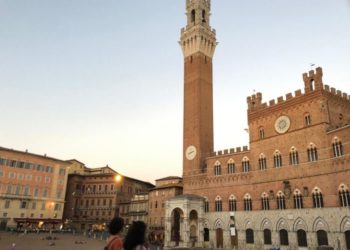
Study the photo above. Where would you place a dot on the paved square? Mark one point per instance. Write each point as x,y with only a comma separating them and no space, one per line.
34,241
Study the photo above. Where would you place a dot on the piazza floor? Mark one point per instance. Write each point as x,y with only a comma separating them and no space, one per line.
34,241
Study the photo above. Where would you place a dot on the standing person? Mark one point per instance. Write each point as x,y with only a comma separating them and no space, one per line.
114,242
135,239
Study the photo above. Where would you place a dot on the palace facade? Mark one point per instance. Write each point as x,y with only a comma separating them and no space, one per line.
289,188
32,190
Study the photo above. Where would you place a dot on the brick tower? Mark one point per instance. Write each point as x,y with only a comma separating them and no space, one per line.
198,42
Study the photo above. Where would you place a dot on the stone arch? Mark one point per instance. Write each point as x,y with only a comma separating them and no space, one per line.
265,224
300,224
248,224
282,224
320,224
218,224
343,187
262,155
345,224
205,223
177,215
230,161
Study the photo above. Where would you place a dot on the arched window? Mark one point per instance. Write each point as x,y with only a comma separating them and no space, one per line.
302,240
281,200
261,133
337,147
232,203
206,234
217,168
249,236
322,238
344,196
193,16
245,164
203,16
277,159
284,237
267,237
347,239
247,203
307,119
206,205
45,192
265,205
262,162
317,198
230,166
218,204
312,152
298,199
293,156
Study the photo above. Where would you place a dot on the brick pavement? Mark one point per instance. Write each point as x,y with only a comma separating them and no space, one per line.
34,241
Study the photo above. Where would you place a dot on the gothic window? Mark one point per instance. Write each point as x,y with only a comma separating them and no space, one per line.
206,234
317,198
245,164
281,200
203,16
232,203
312,152
230,166
249,236
193,16
267,237
218,204
302,240
277,159
307,119
217,168
298,199
262,162
248,203
293,156
261,133
206,205
337,147
265,205
284,237
344,196
322,238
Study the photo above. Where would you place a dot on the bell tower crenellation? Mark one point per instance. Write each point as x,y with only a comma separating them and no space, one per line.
198,36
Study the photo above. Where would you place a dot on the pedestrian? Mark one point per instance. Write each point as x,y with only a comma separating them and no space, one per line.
114,241
135,239
13,246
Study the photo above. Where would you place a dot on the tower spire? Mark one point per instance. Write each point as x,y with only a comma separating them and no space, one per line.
198,36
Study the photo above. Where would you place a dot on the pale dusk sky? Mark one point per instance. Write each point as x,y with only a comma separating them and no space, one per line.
102,81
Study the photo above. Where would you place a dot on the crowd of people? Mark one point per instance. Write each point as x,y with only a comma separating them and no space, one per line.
135,238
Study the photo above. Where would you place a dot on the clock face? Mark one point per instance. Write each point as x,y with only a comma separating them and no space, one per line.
282,124
191,152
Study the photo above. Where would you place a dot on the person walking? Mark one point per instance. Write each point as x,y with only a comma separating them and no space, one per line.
114,241
135,238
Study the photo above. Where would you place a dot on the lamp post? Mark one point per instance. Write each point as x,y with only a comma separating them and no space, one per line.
117,178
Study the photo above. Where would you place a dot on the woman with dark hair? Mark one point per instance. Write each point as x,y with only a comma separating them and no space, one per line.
114,241
135,239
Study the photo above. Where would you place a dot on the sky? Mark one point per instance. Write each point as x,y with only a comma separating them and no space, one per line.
101,81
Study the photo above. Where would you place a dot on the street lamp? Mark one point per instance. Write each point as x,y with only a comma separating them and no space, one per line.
118,179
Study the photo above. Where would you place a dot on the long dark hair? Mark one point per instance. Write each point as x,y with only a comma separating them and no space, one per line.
135,236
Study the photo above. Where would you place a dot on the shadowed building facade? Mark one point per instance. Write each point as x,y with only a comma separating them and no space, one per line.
288,188
95,195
